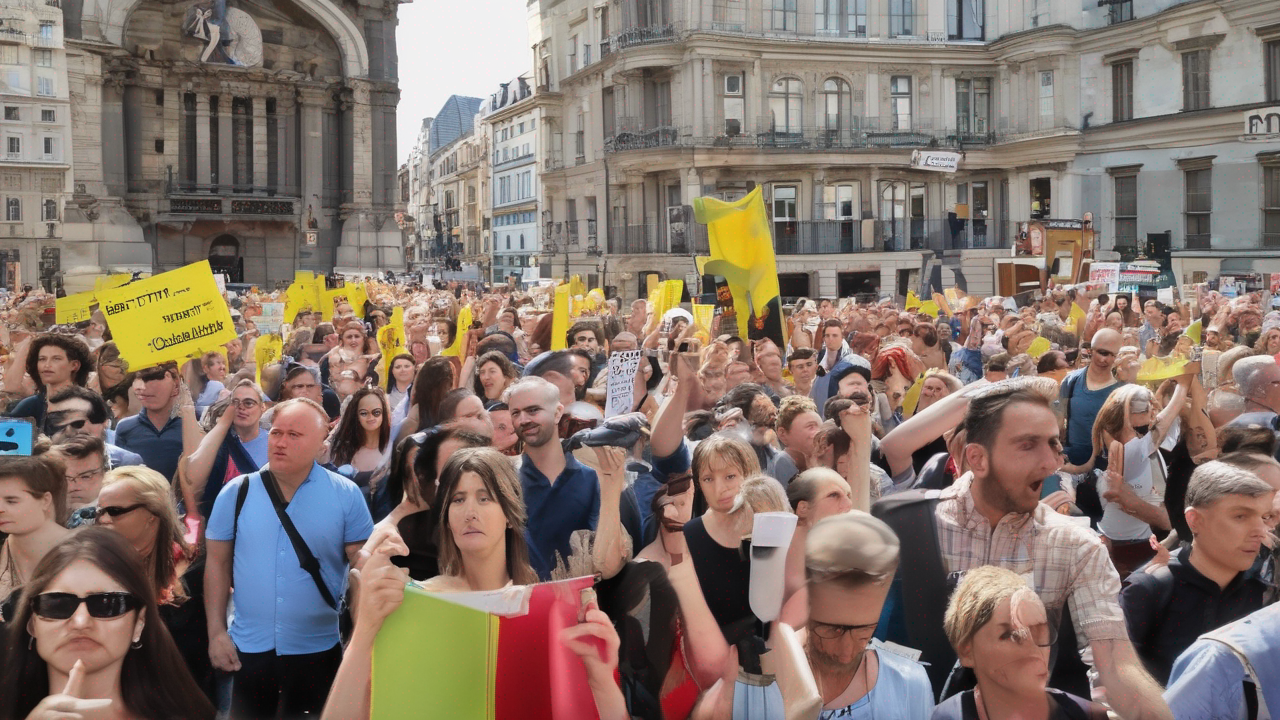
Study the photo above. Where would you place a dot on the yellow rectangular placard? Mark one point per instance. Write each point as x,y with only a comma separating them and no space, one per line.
110,282
171,316
390,342
75,308
559,319
266,350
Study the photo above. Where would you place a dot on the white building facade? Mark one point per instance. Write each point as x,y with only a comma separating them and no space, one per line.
823,103
35,136
512,118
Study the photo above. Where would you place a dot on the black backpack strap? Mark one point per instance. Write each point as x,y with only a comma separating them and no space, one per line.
306,559
1250,700
923,577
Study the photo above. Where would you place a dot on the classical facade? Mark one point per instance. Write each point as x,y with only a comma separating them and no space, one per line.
35,132
511,120
259,134
825,103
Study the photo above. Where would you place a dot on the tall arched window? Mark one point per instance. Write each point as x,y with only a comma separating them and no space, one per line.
835,109
786,105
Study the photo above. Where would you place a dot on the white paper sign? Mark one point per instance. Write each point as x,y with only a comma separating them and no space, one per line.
1164,296
271,319
221,280
622,382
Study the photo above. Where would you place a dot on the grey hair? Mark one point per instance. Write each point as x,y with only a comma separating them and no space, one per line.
1247,372
853,548
1216,479
1221,399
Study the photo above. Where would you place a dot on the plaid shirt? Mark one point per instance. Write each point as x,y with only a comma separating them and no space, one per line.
1064,562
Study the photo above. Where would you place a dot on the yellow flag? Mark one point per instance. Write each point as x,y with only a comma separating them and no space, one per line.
929,308
576,287
1194,331
464,324
267,350
75,308
357,295
911,399
913,302
560,319
703,316
1157,369
171,316
391,341
672,290
303,294
741,244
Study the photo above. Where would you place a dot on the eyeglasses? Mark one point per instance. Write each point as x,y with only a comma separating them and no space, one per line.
60,606
827,631
85,476
74,425
1041,635
116,510
245,403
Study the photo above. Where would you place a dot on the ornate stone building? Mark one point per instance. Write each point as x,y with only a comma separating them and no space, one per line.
259,134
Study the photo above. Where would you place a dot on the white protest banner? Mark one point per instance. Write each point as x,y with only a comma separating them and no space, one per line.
622,381
221,280
271,319
1108,273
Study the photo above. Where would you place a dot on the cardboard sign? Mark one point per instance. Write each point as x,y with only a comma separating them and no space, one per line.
266,350
16,436
75,308
559,319
623,367
171,316
271,319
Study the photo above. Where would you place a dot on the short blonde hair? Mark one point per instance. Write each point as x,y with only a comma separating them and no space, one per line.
156,495
728,449
975,600
762,494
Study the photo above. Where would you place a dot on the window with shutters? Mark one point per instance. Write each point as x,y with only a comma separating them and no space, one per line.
900,99
1122,91
48,115
1198,207
1195,80
1126,230
1271,204
242,143
44,86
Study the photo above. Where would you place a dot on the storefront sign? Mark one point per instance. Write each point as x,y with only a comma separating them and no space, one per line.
936,161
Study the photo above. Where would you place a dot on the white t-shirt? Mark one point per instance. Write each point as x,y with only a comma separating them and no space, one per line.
1144,471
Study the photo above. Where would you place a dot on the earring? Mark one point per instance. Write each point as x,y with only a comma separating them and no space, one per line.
31,642
136,644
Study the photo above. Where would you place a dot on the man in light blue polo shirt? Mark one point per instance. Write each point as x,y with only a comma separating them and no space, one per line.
283,643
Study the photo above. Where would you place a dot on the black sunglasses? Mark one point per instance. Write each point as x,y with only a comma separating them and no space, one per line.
60,606
116,510
54,429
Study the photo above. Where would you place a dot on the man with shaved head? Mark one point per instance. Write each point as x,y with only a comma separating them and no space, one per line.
1084,391
283,644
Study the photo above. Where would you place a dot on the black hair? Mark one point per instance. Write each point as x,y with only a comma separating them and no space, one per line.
74,347
98,411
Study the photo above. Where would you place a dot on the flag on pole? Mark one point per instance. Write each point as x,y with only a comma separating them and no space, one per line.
742,253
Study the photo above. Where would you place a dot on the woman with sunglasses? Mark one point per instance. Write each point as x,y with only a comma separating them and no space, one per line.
135,502
1001,631
33,508
363,433
88,639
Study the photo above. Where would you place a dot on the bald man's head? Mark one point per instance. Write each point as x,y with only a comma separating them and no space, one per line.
299,431
1106,343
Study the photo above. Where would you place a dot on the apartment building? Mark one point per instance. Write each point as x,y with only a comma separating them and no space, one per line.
418,206
512,118
35,132
824,104
458,180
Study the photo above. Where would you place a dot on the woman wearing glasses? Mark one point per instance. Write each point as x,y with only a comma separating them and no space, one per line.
87,639
1000,629
363,433
235,444
135,502
33,507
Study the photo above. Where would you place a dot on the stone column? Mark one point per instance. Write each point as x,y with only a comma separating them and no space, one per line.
259,138
202,139
311,150
286,148
371,240
114,168
226,144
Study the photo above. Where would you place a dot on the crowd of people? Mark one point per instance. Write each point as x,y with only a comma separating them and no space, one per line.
1052,506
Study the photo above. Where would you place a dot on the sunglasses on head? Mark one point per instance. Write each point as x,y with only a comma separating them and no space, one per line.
60,606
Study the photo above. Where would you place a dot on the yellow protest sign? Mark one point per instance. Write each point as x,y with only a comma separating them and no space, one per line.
671,292
1038,347
560,319
913,302
266,351
357,295
703,316
929,307
576,287
911,399
171,316
303,294
75,308
459,337
1157,369
391,341
110,282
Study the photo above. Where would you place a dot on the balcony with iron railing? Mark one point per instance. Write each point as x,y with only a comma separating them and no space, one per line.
851,133
641,35
659,239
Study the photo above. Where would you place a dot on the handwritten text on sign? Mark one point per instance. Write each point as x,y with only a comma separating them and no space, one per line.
171,316
622,382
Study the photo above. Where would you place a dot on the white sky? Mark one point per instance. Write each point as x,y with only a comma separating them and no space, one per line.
455,47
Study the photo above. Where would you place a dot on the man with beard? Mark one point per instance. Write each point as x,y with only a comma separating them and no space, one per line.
992,515
561,495
850,560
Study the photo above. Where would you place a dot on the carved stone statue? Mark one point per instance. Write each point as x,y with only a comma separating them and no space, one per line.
230,35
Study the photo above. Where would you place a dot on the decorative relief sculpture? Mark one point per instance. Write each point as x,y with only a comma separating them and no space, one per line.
230,35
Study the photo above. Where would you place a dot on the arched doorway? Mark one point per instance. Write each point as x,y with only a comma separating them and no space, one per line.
224,257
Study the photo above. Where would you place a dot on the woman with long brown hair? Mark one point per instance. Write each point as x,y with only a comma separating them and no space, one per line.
92,585
363,432
33,508
435,379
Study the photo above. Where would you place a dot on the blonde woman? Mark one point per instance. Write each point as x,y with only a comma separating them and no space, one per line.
999,627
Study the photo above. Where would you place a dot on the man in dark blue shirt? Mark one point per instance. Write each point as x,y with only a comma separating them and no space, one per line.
561,495
155,433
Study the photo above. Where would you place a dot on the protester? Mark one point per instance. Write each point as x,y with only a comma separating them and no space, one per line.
33,502
77,411
400,379
494,374
235,444
363,433
1082,394
1230,672
282,662
54,363
155,432
85,465
1001,630
1206,584
93,586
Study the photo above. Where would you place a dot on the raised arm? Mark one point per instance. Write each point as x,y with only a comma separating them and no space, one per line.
923,428
610,550
668,424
